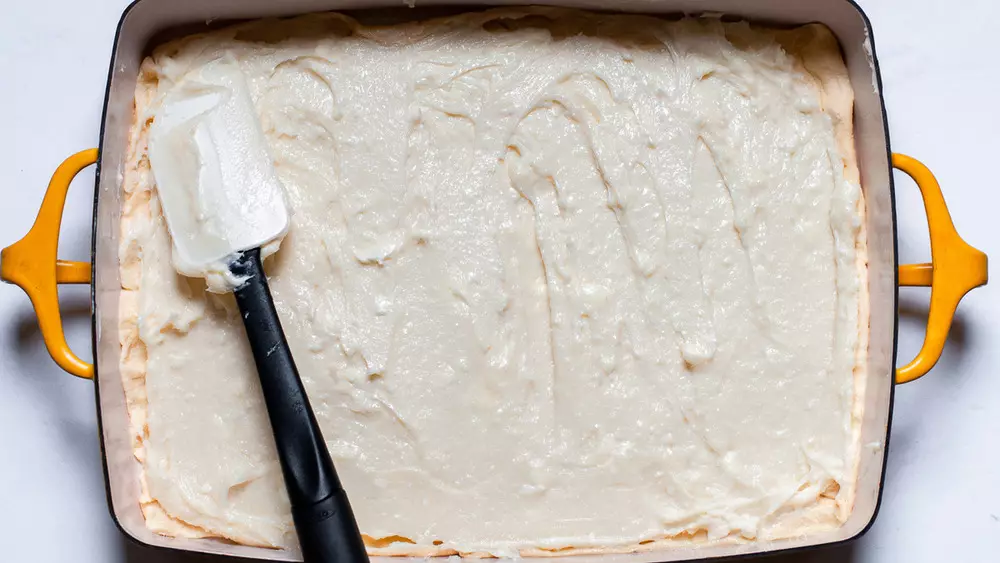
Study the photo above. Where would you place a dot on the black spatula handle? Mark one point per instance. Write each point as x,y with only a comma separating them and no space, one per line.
328,532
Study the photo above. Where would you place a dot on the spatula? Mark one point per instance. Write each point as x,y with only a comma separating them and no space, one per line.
223,202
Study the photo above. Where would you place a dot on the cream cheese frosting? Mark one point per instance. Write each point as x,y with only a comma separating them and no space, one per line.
554,282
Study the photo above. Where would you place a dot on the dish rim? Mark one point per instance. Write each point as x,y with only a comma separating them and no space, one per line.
95,331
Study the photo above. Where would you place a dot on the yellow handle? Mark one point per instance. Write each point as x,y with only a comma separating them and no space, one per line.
31,263
955,269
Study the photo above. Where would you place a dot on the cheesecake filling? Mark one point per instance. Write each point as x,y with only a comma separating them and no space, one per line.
553,281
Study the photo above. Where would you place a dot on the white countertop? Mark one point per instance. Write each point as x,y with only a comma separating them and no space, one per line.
942,489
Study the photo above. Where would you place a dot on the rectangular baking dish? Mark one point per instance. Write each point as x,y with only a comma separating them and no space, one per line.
32,262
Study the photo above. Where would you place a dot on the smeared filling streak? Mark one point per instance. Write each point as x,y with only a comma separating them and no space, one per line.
554,281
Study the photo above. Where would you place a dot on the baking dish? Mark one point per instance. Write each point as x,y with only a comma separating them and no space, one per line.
32,263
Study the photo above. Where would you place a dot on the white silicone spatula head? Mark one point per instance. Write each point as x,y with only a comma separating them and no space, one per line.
215,179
